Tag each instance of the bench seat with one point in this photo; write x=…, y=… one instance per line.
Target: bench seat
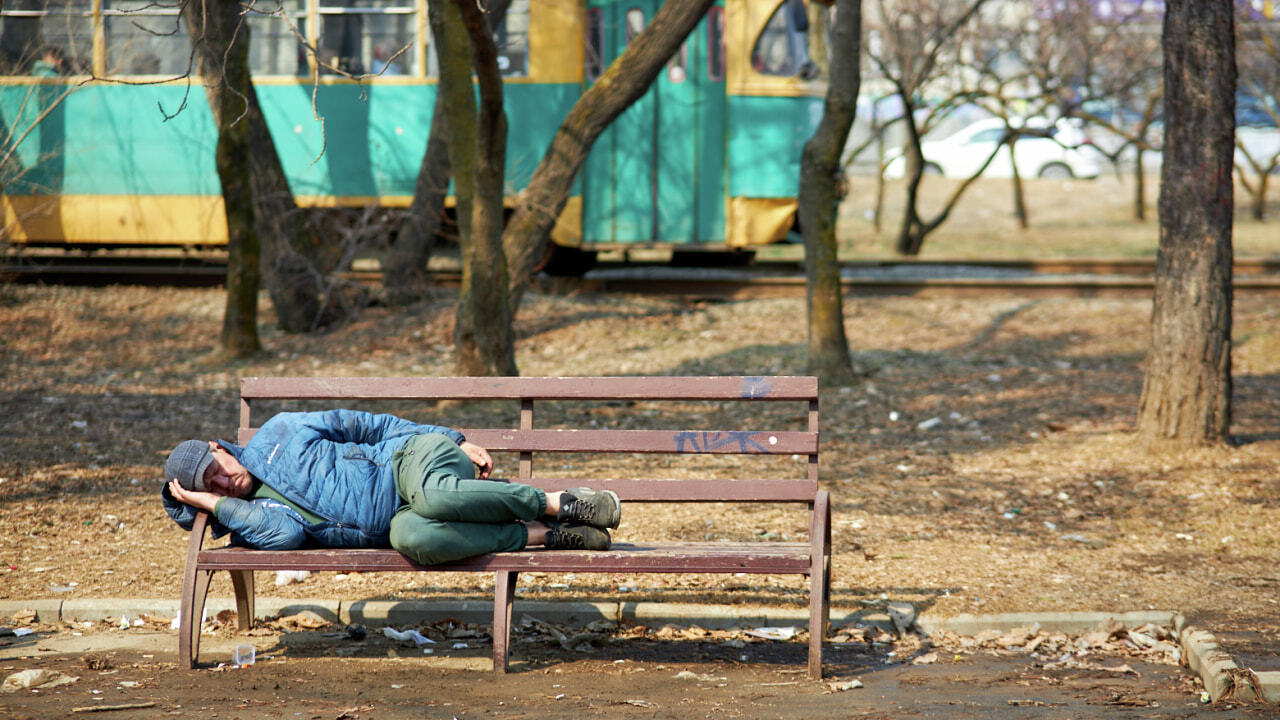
x=780, y=558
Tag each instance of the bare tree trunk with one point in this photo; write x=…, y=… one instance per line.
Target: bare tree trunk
x=240, y=320
x=624, y=82
x=910, y=237
x=296, y=265
x=1019, y=198
x=1259, y=206
x=483, y=334
x=292, y=266
x=819, y=201
x=1139, y=187
x=913, y=45
x=877, y=213
x=914, y=228
x=404, y=279
x=453, y=52
x=1186, y=392
x=222, y=48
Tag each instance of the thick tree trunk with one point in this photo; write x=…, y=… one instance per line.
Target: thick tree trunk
x=820, y=198
x=223, y=53
x=453, y=53
x=1186, y=392
x=296, y=264
x=240, y=319
x=483, y=333
x=292, y=263
x=404, y=278
x=624, y=82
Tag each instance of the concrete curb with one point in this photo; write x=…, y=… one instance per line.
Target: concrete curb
x=1067, y=622
x=1222, y=678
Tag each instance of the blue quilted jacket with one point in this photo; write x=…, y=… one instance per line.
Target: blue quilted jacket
x=336, y=464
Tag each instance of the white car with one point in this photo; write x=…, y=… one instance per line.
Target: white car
x=1261, y=143
x=961, y=154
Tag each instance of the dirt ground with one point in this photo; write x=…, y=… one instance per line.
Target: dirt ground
x=1027, y=494
x=325, y=675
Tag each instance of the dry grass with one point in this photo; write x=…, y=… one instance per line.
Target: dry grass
x=1073, y=218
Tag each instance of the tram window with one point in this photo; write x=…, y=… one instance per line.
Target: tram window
x=34, y=33
x=595, y=44
x=513, y=40
x=635, y=23
x=145, y=38
x=677, y=66
x=783, y=45
x=511, y=37
x=362, y=36
x=715, y=43
x=274, y=49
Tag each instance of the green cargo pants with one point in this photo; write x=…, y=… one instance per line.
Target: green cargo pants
x=447, y=514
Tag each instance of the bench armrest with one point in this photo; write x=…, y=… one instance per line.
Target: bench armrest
x=820, y=526
x=195, y=541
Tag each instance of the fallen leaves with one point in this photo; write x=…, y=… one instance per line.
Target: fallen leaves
x=23, y=617
x=843, y=685
x=305, y=620
x=1110, y=638
x=96, y=661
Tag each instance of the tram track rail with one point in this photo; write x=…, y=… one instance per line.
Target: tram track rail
x=1088, y=277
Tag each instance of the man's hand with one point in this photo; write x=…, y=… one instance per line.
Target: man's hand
x=479, y=456
x=196, y=499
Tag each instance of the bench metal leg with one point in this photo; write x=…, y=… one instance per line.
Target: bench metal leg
x=503, y=596
x=195, y=590
x=242, y=582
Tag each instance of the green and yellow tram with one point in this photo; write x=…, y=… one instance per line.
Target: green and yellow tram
x=708, y=158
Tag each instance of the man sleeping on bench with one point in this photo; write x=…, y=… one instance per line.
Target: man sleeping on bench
x=344, y=478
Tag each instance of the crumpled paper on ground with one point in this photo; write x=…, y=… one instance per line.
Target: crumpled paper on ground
x=40, y=678
x=773, y=633
x=407, y=635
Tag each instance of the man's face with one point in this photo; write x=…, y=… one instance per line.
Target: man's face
x=226, y=476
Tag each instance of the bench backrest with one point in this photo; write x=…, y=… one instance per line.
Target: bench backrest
x=527, y=439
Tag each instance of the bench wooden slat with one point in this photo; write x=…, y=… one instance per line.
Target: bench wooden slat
x=695, y=442
x=548, y=388
x=673, y=490
x=770, y=557
x=744, y=442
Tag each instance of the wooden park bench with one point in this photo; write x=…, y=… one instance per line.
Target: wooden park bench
x=531, y=441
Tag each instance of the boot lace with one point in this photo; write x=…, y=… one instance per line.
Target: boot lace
x=581, y=509
x=567, y=540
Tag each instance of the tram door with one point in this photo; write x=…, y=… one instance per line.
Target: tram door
x=657, y=173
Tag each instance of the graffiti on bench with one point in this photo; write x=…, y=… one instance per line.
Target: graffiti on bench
x=704, y=441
